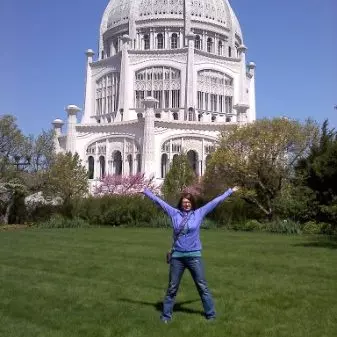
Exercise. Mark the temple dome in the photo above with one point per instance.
(215, 12)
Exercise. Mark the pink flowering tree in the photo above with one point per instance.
(124, 185)
(196, 188)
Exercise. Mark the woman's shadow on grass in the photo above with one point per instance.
(178, 307)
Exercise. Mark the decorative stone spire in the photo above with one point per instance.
(57, 125)
(148, 155)
(72, 111)
(123, 107)
(88, 88)
(241, 107)
(252, 102)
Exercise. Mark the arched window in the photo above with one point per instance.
(229, 51)
(108, 51)
(115, 43)
(146, 41)
(107, 88)
(175, 116)
(193, 160)
(174, 41)
(91, 167)
(101, 167)
(209, 45)
(164, 165)
(197, 42)
(228, 119)
(117, 163)
(213, 118)
(199, 117)
(191, 114)
(210, 93)
(130, 162)
(228, 104)
(160, 41)
(220, 48)
(165, 88)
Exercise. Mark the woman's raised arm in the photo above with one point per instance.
(164, 205)
(204, 210)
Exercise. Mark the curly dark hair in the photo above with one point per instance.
(189, 197)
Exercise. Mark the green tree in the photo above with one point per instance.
(41, 154)
(180, 176)
(24, 165)
(67, 177)
(13, 145)
(42, 151)
(318, 172)
(260, 157)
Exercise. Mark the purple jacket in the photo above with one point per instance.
(190, 241)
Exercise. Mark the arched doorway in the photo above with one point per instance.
(193, 160)
(139, 163)
(175, 156)
(91, 167)
(164, 165)
(130, 163)
(102, 166)
(117, 163)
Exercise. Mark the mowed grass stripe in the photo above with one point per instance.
(110, 282)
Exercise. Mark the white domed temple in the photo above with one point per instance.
(170, 74)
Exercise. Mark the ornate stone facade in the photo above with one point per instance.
(189, 57)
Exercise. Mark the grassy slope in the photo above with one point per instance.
(110, 282)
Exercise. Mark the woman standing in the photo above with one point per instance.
(186, 249)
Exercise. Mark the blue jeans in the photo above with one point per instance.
(196, 268)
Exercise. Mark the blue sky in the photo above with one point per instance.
(42, 62)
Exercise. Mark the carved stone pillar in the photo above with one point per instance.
(57, 124)
(72, 111)
(242, 106)
(166, 39)
(190, 92)
(252, 104)
(87, 109)
(148, 155)
(123, 107)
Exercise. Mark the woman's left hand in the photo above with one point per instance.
(235, 188)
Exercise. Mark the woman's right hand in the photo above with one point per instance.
(235, 188)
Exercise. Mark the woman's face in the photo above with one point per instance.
(186, 204)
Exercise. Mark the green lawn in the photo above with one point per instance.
(110, 282)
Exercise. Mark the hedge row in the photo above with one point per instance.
(140, 212)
